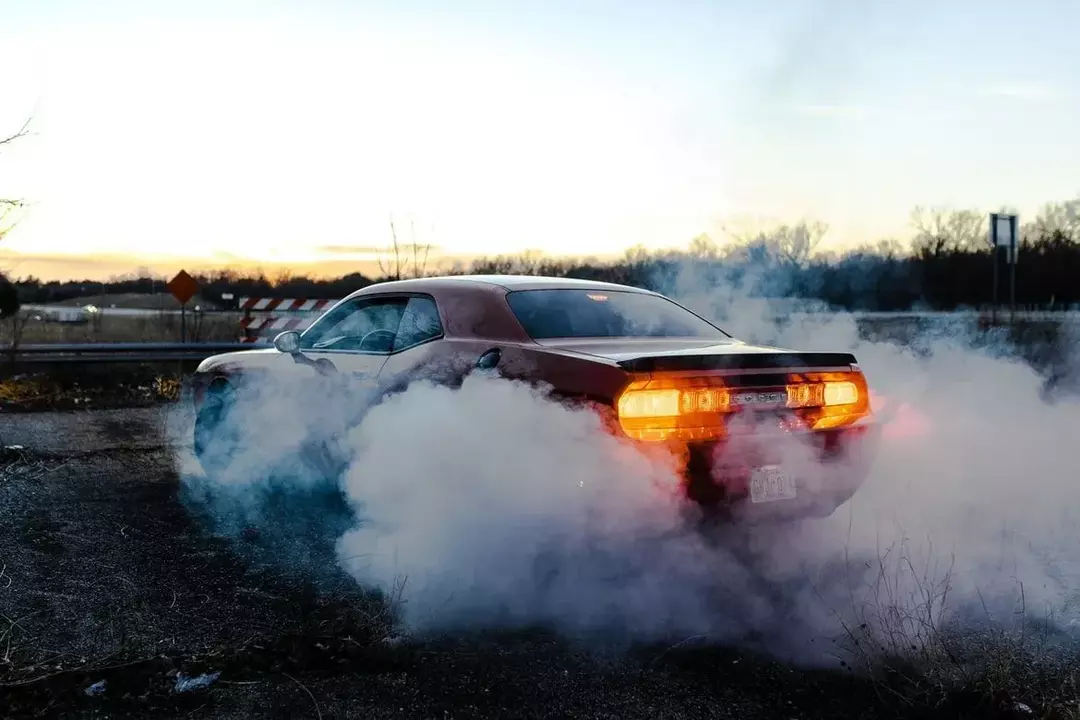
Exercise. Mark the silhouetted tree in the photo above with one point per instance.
(9, 296)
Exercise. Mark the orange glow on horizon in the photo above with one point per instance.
(103, 267)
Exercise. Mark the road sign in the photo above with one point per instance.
(1003, 234)
(183, 287)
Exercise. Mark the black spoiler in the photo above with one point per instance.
(737, 361)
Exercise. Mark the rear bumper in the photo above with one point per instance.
(828, 467)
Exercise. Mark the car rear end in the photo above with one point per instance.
(761, 434)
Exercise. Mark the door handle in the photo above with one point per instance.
(322, 365)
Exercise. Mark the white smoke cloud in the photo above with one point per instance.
(977, 483)
(496, 503)
(491, 505)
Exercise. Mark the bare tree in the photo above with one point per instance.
(886, 248)
(703, 247)
(282, 277)
(939, 231)
(420, 253)
(788, 245)
(396, 266)
(528, 262)
(1062, 219)
(889, 248)
(9, 205)
(9, 297)
(392, 270)
(796, 244)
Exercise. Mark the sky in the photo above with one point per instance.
(291, 134)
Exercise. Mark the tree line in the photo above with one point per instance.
(946, 265)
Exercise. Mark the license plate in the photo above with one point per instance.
(770, 483)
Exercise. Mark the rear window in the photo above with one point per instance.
(603, 313)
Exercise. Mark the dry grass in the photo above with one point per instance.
(217, 327)
(932, 654)
(68, 388)
(20, 390)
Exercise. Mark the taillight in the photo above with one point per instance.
(650, 403)
(662, 408)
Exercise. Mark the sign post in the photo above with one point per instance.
(183, 287)
(1003, 236)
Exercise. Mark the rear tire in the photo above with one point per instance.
(219, 439)
(216, 439)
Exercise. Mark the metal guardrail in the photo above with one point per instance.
(116, 352)
(175, 351)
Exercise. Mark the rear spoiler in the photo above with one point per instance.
(736, 361)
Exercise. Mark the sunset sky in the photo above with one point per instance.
(227, 133)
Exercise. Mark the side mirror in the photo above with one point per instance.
(288, 342)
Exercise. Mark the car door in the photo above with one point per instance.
(355, 337)
(418, 346)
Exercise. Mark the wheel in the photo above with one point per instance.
(219, 438)
(216, 439)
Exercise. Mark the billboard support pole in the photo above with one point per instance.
(1003, 236)
(1012, 269)
(994, 258)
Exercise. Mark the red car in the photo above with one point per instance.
(761, 431)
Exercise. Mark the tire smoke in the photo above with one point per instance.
(492, 505)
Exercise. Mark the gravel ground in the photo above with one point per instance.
(106, 578)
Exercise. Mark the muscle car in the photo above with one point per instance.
(760, 432)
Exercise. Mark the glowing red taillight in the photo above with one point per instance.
(658, 408)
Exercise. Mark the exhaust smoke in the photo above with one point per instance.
(493, 506)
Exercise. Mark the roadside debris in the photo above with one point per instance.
(188, 684)
(96, 689)
(12, 454)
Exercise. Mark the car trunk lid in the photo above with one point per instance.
(690, 390)
(648, 355)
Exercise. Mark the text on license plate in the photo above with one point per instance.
(769, 483)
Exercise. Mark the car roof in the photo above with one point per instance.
(508, 282)
(475, 306)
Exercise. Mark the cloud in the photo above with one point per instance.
(1031, 91)
(828, 110)
(350, 250)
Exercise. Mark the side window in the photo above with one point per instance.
(419, 322)
(364, 325)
